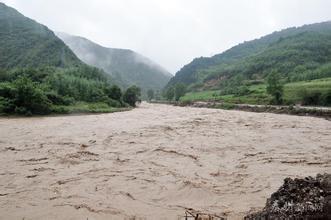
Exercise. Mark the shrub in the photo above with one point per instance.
(114, 92)
(326, 98)
(57, 99)
(180, 90)
(29, 98)
(60, 109)
(7, 90)
(242, 90)
(6, 105)
(132, 95)
(310, 97)
(275, 88)
(114, 103)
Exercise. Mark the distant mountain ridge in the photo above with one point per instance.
(125, 66)
(296, 53)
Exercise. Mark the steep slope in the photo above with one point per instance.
(296, 53)
(26, 43)
(125, 66)
(39, 74)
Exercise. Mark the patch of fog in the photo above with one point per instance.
(86, 50)
(138, 58)
(81, 47)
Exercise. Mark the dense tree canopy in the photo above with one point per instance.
(37, 91)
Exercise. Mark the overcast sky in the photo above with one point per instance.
(173, 32)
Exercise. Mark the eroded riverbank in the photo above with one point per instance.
(155, 160)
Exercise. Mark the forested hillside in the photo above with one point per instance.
(295, 53)
(39, 74)
(25, 43)
(125, 66)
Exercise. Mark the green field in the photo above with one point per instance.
(291, 90)
(258, 95)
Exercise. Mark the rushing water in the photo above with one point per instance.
(153, 162)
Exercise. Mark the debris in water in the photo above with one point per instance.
(31, 176)
(191, 214)
(83, 146)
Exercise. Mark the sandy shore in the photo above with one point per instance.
(153, 162)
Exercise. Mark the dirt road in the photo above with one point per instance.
(153, 162)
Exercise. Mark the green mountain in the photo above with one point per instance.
(297, 54)
(34, 46)
(125, 66)
(39, 74)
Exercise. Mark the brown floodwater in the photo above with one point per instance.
(154, 162)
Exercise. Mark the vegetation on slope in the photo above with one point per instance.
(39, 74)
(125, 66)
(296, 54)
(56, 90)
(26, 43)
(314, 92)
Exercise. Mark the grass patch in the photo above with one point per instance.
(201, 96)
(258, 94)
(83, 107)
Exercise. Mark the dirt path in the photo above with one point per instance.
(153, 162)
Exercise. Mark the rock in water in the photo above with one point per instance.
(308, 199)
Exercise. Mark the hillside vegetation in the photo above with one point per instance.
(25, 43)
(39, 74)
(314, 92)
(126, 67)
(295, 54)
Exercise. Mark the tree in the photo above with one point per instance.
(169, 93)
(132, 95)
(114, 92)
(180, 90)
(150, 94)
(275, 88)
(29, 98)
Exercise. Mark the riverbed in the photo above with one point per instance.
(153, 162)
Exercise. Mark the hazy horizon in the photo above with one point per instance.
(172, 33)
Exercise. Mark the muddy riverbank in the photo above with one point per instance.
(314, 111)
(156, 160)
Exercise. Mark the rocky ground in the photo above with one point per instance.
(307, 198)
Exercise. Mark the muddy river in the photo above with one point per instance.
(153, 162)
